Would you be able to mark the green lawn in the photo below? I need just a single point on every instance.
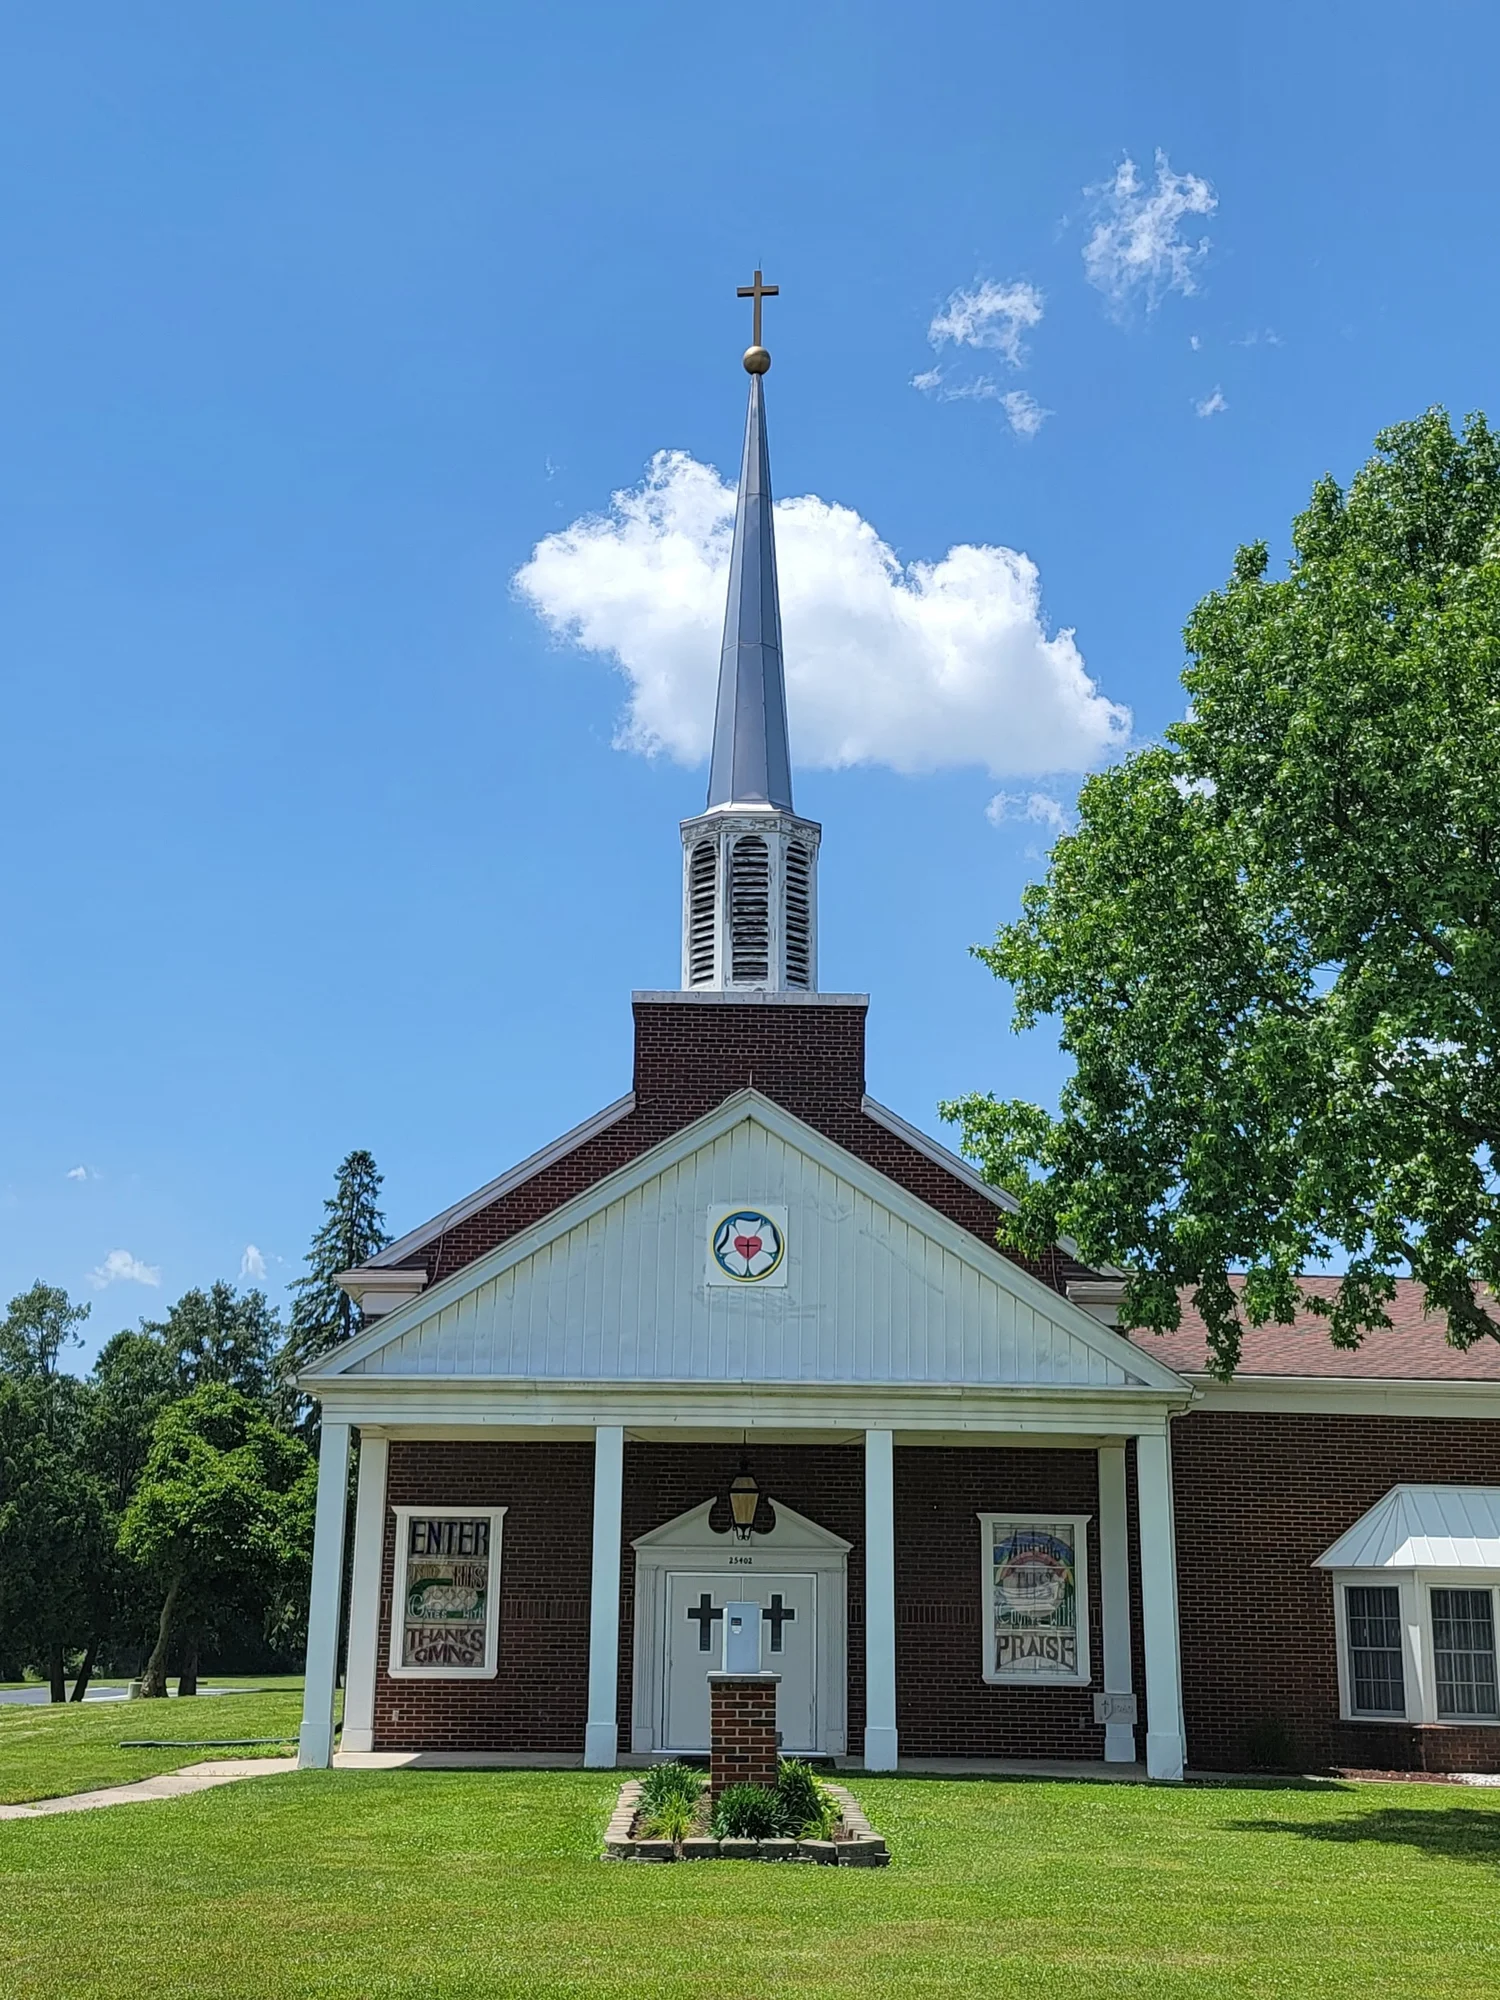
(48, 1750)
(365, 1885)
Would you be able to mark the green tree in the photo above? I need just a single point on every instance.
(1272, 944)
(54, 1535)
(221, 1336)
(37, 1326)
(323, 1314)
(222, 1516)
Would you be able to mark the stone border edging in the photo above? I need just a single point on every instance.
(864, 1848)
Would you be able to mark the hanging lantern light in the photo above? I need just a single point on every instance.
(744, 1498)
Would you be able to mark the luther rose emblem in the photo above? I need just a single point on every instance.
(745, 1247)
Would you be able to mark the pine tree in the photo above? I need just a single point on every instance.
(323, 1315)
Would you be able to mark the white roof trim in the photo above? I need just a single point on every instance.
(418, 1239)
(1143, 1369)
(1423, 1527)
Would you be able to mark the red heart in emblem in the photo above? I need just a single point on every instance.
(748, 1246)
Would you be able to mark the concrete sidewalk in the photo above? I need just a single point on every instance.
(169, 1785)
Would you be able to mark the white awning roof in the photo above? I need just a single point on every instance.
(1423, 1527)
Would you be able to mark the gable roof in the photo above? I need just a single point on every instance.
(1423, 1527)
(610, 1285)
(632, 1127)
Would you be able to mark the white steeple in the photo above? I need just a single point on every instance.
(749, 864)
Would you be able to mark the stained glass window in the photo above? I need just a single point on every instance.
(1036, 1598)
(447, 1573)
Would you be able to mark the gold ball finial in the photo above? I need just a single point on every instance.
(757, 360)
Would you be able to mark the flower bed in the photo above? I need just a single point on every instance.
(669, 1815)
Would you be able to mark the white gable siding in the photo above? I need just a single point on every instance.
(869, 1298)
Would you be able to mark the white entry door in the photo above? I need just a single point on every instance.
(694, 1644)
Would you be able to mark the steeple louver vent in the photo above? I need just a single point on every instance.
(750, 911)
(798, 915)
(703, 912)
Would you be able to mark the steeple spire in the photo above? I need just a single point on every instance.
(752, 759)
(749, 891)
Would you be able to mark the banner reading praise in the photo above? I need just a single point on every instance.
(1034, 1595)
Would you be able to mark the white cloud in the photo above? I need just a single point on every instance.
(1037, 807)
(120, 1266)
(1259, 336)
(1137, 249)
(1212, 404)
(918, 666)
(1194, 342)
(928, 380)
(1025, 413)
(990, 316)
(252, 1263)
(77, 1174)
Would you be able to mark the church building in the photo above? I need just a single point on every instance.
(746, 1335)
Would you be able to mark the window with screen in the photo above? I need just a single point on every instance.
(1463, 1655)
(1377, 1683)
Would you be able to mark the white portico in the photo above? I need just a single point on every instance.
(892, 1331)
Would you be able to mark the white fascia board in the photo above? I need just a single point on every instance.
(1346, 1396)
(961, 1170)
(482, 1405)
(513, 1177)
(750, 1104)
(745, 996)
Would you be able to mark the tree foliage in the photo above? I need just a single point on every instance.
(37, 1326)
(223, 1510)
(1272, 943)
(221, 1336)
(323, 1314)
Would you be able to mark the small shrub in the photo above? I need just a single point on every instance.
(809, 1810)
(667, 1785)
(747, 1812)
(672, 1821)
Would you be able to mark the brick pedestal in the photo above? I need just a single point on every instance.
(742, 1730)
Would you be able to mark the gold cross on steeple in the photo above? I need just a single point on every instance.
(757, 291)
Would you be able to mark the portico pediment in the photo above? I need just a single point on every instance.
(648, 1277)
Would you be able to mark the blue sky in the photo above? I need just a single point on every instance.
(321, 320)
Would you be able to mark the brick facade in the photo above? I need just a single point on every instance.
(1258, 1499)
(539, 1698)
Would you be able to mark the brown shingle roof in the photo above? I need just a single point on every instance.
(1413, 1348)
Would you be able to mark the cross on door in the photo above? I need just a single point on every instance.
(776, 1617)
(705, 1611)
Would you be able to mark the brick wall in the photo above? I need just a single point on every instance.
(944, 1705)
(539, 1698)
(1258, 1499)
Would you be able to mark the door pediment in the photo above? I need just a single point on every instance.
(688, 1538)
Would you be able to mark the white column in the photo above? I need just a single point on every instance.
(364, 1595)
(601, 1735)
(315, 1743)
(1114, 1597)
(880, 1601)
(1164, 1751)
